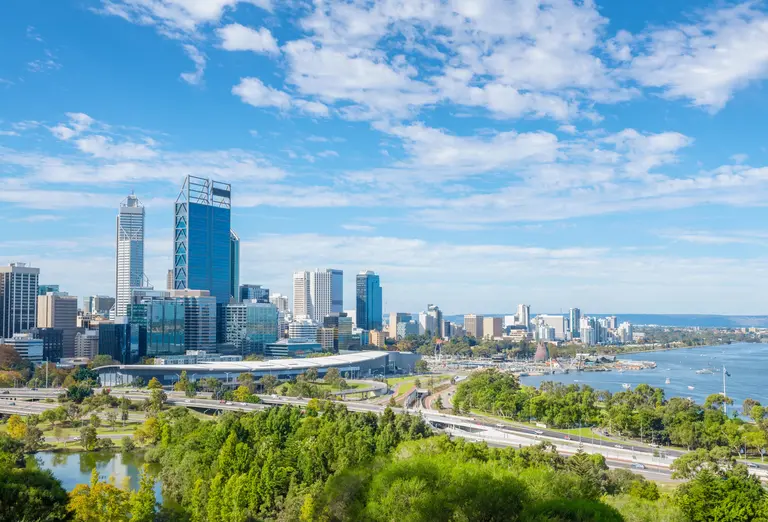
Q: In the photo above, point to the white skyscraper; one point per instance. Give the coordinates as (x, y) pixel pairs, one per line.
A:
(302, 303)
(524, 315)
(280, 301)
(130, 252)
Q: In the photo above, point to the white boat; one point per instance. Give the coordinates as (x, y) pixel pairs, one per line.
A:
(690, 387)
(626, 386)
(668, 381)
(705, 371)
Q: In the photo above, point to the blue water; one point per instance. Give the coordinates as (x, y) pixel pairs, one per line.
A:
(75, 468)
(746, 362)
(680, 320)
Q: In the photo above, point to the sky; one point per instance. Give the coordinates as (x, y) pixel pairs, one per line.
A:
(474, 153)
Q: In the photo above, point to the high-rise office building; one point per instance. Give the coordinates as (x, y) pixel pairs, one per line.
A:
(251, 292)
(437, 317)
(169, 280)
(55, 310)
(327, 338)
(234, 264)
(611, 322)
(574, 322)
(524, 315)
(18, 298)
(87, 344)
(395, 318)
(326, 293)
(558, 322)
(473, 326)
(115, 341)
(303, 329)
(280, 301)
(129, 259)
(302, 302)
(53, 342)
(492, 328)
(100, 304)
(369, 301)
(44, 289)
(251, 326)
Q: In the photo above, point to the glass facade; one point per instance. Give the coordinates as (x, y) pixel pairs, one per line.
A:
(53, 342)
(115, 341)
(250, 292)
(234, 264)
(261, 326)
(369, 301)
(170, 326)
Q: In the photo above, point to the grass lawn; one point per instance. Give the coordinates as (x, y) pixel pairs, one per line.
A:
(412, 379)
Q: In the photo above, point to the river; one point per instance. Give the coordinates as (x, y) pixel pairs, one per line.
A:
(746, 362)
(75, 468)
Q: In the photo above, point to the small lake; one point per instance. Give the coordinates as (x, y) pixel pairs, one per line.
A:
(75, 468)
(746, 362)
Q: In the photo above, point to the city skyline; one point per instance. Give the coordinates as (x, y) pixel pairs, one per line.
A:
(623, 172)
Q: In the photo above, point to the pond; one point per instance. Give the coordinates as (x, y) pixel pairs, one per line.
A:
(75, 468)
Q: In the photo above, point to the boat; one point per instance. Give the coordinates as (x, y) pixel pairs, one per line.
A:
(626, 386)
(705, 371)
(668, 381)
(690, 387)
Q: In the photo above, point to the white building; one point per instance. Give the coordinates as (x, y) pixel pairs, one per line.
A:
(546, 333)
(587, 335)
(510, 320)
(280, 301)
(302, 329)
(130, 252)
(625, 332)
(427, 324)
(18, 298)
(302, 302)
(325, 336)
(26, 346)
(326, 290)
(87, 344)
(524, 315)
(558, 322)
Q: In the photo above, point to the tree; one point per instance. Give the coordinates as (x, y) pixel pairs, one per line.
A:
(31, 495)
(33, 439)
(79, 392)
(247, 380)
(95, 421)
(332, 376)
(88, 437)
(182, 383)
(99, 501)
(102, 360)
(157, 398)
(421, 366)
(311, 374)
(17, 428)
(127, 445)
(9, 357)
(142, 504)
(734, 496)
(268, 382)
(112, 418)
(439, 402)
(154, 384)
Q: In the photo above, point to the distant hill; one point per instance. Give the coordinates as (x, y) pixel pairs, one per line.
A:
(682, 320)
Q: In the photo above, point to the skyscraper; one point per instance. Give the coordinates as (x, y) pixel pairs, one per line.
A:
(56, 310)
(326, 290)
(251, 292)
(169, 280)
(575, 322)
(234, 264)
(44, 289)
(100, 304)
(524, 315)
(302, 303)
(473, 324)
(369, 301)
(202, 244)
(202, 238)
(280, 301)
(130, 252)
(18, 298)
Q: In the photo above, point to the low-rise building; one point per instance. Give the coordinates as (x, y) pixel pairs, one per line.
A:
(377, 338)
(26, 346)
(87, 344)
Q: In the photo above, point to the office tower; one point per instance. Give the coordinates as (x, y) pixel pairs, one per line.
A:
(437, 317)
(234, 264)
(115, 341)
(26, 346)
(611, 322)
(587, 335)
(625, 332)
(302, 303)
(18, 298)
(129, 271)
(169, 280)
(53, 342)
(406, 328)
(492, 328)
(327, 338)
(44, 289)
(280, 301)
(369, 301)
(377, 338)
(303, 329)
(59, 311)
(326, 289)
(395, 318)
(100, 304)
(473, 326)
(447, 329)
(524, 316)
(87, 344)
(344, 332)
(545, 333)
(510, 320)
(575, 322)
(251, 326)
(184, 320)
(558, 322)
(253, 292)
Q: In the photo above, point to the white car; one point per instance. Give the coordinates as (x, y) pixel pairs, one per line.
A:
(538, 432)
(229, 403)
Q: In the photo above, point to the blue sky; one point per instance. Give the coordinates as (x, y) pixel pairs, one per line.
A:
(475, 154)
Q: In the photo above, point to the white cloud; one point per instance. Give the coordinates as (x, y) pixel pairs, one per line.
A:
(358, 228)
(103, 147)
(194, 78)
(253, 92)
(236, 37)
(328, 154)
(707, 61)
(78, 123)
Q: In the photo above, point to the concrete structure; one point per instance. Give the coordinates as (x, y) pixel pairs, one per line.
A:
(377, 338)
(87, 344)
(234, 265)
(129, 258)
(26, 346)
(169, 280)
(253, 293)
(524, 315)
(100, 304)
(302, 302)
(303, 329)
(280, 301)
(546, 333)
(369, 301)
(625, 332)
(59, 311)
(473, 326)
(587, 335)
(574, 322)
(18, 298)
(611, 322)
(510, 320)
(356, 365)
(251, 325)
(558, 322)
(326, 293)
(395, 319)
(517, 335)
(404, 329)
(327, 338)
(492, 328)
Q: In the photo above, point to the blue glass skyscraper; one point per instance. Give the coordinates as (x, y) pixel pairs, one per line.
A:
(202, 247)
(234, 264)
(369, 302)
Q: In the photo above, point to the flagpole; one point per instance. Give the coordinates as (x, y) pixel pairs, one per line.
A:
(725, 404)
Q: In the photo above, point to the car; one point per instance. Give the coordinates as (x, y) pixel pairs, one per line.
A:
(229, 403)
(5, 392)
(188, 401)
(567, 437)
(637, 465)
(619, 446)
(12, 403)
(274, 396)
(222, 402)
(752, 465)
(538, 432)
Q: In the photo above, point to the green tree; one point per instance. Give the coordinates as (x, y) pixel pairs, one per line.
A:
(142, 504)
(734, 496)
(182, 383)
(332, 376)
(268, 383)
(127, 445)
(102, 360)
(421, 366)
(311, 374)
(154, 384)
(88, 437)
(31, 495)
